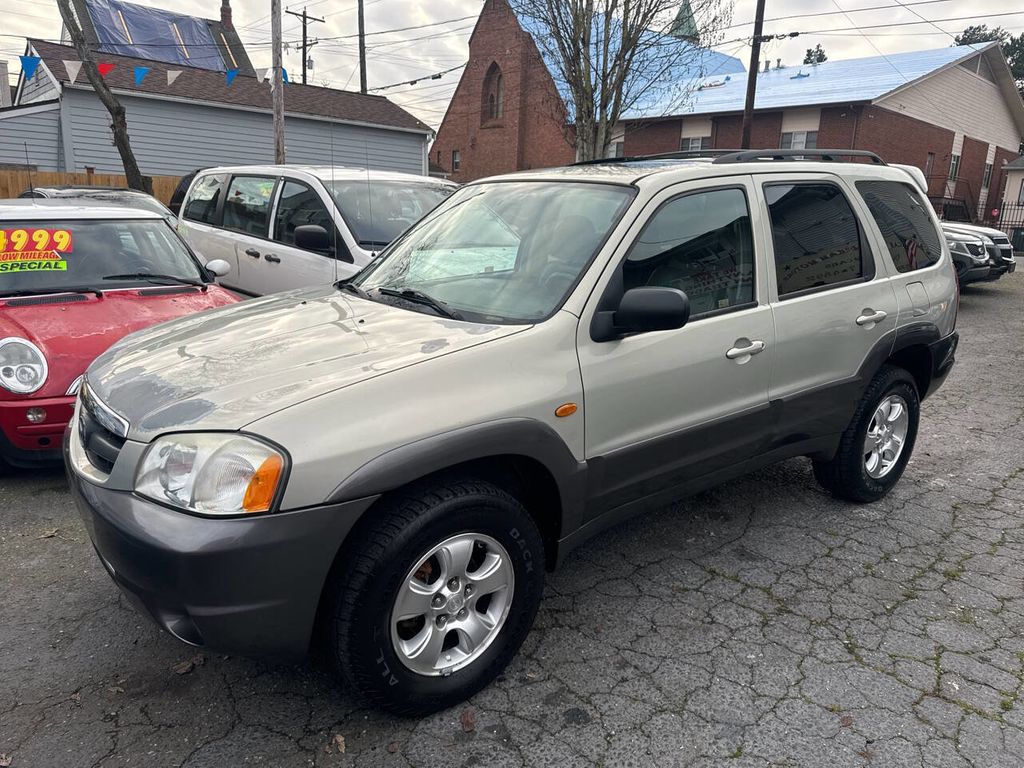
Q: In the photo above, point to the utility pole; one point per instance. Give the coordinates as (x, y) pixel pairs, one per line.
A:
(362, 50)
(752, 72)
(305, 45)
(277, 82)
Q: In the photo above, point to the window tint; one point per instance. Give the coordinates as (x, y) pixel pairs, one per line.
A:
(247, 205)
(299, 205)
(901, 215)
(816, 237)
(202, 205)
(702, 245)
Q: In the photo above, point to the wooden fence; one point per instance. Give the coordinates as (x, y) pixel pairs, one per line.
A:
(13, 183)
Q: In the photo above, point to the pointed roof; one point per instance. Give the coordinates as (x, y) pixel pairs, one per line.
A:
(685, 26)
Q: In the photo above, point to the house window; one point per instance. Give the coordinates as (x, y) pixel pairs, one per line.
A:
(617, 149)
(1020, 194)
(954, 167)
(694, 143)
(493, 107)
(799, 140)
(456, 160)
(986, 180)
(929, 165)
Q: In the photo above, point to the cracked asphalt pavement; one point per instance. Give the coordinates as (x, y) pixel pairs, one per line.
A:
(762, 623)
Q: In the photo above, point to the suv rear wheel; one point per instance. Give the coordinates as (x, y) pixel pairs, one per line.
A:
(437, 596)
(876, 446)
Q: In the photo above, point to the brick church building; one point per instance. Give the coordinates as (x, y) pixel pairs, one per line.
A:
(953, 112)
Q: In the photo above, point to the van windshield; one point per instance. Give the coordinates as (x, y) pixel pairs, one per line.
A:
(504, 252)
(53, 255)
(377, 212)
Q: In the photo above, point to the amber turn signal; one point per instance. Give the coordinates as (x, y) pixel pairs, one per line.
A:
(260, 493)
(566, 410)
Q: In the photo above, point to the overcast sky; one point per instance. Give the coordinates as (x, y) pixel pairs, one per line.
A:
(396, 57)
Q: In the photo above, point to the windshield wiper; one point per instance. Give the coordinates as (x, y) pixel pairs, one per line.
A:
(46, 291)
(419, 297)
(348, 285)
(150, 277)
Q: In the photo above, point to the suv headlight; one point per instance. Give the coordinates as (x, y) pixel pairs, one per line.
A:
(211, 474)
(22, 366)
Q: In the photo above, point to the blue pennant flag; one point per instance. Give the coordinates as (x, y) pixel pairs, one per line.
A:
(284, 74)
(140, 74)
(29, 65)
(230, 76)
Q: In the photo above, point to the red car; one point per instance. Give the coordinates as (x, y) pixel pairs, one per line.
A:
(74, 280)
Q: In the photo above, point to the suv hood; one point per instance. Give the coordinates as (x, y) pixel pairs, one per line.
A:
(228, 368)
(973, 229)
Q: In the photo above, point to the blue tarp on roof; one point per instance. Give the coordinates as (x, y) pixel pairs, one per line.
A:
(671, 66)
(833, 82)
(151, 34)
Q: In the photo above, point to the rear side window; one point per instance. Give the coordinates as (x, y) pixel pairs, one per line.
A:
(202, 203)
(247, 205)
(701, 244)
(901, 215)
(299, 205)
(817, 237)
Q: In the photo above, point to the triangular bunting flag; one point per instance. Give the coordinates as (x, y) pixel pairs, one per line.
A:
(73, 68)
(140, 74)
(105, 68)
(230, 76)
(172, 75)
(284, 74)
(29, 65)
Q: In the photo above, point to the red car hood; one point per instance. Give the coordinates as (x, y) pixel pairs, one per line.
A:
(71, 334)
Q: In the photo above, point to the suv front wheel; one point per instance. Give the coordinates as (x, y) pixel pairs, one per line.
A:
(876, 446)
(438, 593)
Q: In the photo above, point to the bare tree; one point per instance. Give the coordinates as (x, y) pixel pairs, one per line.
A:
(119, 125)
(623, 58)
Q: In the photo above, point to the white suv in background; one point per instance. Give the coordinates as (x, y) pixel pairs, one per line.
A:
(283, 227)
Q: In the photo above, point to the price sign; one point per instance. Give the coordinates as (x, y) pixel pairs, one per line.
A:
(34, 250)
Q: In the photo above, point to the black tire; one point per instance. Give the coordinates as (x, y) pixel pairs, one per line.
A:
(845, 476)
(401, 530)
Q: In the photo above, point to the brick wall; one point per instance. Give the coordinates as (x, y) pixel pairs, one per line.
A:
(901, 139)
(530, 132)
(652, 138)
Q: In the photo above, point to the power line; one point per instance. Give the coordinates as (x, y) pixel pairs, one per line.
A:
(434, 76)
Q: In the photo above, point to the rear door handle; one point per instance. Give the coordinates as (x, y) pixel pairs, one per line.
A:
(747, 351)
(870, 317)
(252, 252)
(272, 258)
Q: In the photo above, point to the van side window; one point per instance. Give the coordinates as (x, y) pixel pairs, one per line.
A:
(700, 243)
(299, 205)
(247, 205)
(817, 237)
(202, 204)
(903, 219)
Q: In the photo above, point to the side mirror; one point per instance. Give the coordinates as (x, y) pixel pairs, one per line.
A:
(218, 267)
(643, 310)
(312, 237)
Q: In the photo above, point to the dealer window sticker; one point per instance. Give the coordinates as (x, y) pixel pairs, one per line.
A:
(34, 250)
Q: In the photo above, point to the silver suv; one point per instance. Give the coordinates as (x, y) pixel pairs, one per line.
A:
(396, 460)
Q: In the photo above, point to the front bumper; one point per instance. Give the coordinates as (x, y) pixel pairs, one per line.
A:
(25, 444)
(246, 585)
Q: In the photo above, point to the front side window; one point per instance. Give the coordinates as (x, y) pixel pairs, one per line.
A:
(38, 256)
(903, 219)
(701, 244)
(799, 140)
(816, 237)
(247, 205)
(202, 203)
(299, 205)
(377, 212)
(501, 252)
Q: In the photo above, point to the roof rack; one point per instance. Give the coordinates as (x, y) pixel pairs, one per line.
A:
(681, 155)
(790, 155)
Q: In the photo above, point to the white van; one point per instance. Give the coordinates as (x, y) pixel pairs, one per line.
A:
(283, 227)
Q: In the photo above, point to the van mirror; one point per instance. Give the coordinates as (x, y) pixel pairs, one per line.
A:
(313, 237)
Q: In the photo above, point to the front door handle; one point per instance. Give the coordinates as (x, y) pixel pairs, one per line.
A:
(870, 317)
(272, 258)
(252, 252)
(746, 351)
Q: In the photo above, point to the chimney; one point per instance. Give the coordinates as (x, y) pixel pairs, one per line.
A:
(778, 62)
(767, 64)
(225, 14)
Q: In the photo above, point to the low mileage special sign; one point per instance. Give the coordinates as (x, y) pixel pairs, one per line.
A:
(34, 250)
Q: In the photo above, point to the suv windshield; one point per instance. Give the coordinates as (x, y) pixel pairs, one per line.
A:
(57, 254)
(379, 211)
(502, 252)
